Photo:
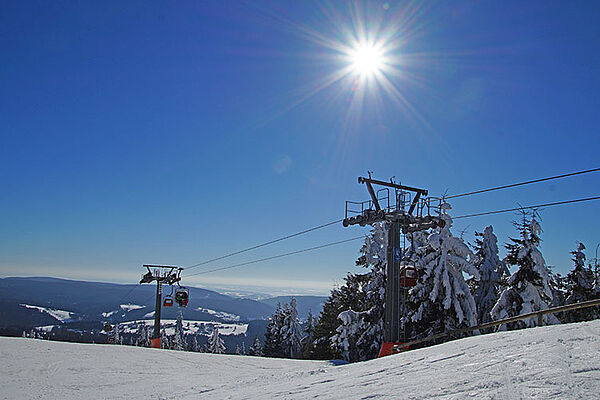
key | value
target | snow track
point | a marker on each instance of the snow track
(555, 362)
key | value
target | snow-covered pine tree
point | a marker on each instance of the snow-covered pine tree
(196, 347)
(359, 331)
(165, 341)
(149, 332)
(291, 332)
(528, 288)
(558, 286)
(373, 257)
(493, 273)
(256, 348)
(580, 287)
(215, 343)
(347, 297)
(441, 301)
(140, 334)
(117, 334)
(347, 334)
(273, 340)
(309, 333)
(179, 338)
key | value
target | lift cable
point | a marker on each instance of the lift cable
(278, 256)
(363, 236)
(128, 293)
(266, 243)
(448, 197)
(523, 183)
(528, 207)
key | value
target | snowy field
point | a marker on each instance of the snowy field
(60, 315)
(556, 362)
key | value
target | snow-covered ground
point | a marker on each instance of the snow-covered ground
(130, 307)
(60, 315)
(220, 314)
(125, 308)
(556, 362)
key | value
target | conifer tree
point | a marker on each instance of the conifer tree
(580, 287)
(273, 340)
(291, 332)
(320, 348)
(148, 331)
(215, 343)
(165, 341)
(196, 345)
(140, 339)
(493, 273)
(359, 331)
(309, 332)
(528, 288)
(558, 287)
(117, 334)
(179, 338)
(441, 301)
(256, 348)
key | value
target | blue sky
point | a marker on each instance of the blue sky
(149, 132)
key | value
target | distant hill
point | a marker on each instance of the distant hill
(28, 302)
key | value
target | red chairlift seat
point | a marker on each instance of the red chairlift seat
(408, 276)
(168, 302)
(182, 296)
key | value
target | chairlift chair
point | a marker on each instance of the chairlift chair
(168, 301)
(182, 296)
(408, 276)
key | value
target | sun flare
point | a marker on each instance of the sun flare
(366, 59)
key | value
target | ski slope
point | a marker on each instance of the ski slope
(556, 362)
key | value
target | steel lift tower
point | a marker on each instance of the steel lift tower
(408, 210)
(166, 274)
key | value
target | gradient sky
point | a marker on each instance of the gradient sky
(159, 132)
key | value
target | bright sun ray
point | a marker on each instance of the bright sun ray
(365, 47)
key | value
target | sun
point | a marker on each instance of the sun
(366, 59)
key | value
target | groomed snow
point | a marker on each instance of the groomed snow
(555, 362)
